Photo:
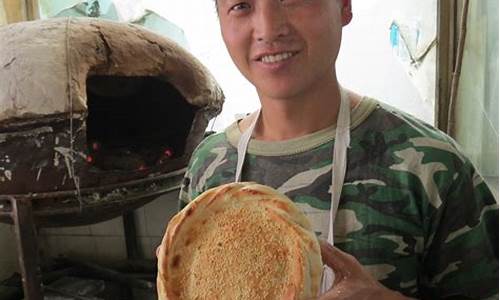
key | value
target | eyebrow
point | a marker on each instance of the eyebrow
(221, 1)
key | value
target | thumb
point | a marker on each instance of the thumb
(332, 257)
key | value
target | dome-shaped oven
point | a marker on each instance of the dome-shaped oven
(96, 114)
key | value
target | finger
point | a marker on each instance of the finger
(339, 261)
(329, 256)
(330, 295)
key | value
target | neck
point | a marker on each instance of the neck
(283, 119)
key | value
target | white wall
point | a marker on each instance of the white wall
(366, 63)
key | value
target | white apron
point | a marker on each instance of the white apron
(342, 140)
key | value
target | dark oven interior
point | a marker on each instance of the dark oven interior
(135, 123)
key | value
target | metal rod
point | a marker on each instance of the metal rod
(445, 60)
(47, 212)
(22, 215)
(458, 69)
(52, 195)
(130, 235)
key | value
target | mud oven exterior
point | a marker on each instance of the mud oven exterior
(96, 118)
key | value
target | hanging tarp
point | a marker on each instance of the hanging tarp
(104, 9)
(476, 108)
(122, 11)
(12, 11)
(162, 26)
(3, 16)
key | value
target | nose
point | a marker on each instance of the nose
(271, 22)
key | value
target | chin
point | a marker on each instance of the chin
(277, 95)
(277, 91)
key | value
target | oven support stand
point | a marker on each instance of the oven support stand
(129, 228)
(26, 239)
(23, 219)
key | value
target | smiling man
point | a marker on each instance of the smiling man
(408, 214)
(287, 49)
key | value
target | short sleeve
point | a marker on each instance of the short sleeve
(184, 194)
(460, 260)
(187, 185)
(197, 167)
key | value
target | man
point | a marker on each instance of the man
(414, 218)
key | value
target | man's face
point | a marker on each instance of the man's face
(284, 47)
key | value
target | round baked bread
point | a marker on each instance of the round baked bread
(239, 241)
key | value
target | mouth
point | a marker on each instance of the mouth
(276, 57)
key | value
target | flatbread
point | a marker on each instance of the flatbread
(239, 241)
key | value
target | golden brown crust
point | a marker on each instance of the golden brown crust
(239, 241)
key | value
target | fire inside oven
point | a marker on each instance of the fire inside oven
(135, 123)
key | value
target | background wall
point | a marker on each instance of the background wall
(476, 109)
(374, 65)
(11, 11)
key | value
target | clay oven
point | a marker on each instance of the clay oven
(96, 116)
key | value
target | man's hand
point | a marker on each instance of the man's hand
(352, 281)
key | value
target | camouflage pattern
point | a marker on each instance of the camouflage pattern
(413, 210)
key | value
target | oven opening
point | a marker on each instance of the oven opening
(135, 123)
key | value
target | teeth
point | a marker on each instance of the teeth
(269, 59)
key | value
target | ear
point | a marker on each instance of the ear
(346, 12)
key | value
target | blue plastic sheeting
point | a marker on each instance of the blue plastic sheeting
(394, 35)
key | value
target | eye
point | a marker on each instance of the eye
(240, 7)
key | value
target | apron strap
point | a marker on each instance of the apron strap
(339, 161)
(243, 145)
(339, 168)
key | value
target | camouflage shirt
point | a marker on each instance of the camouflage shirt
(413, 210)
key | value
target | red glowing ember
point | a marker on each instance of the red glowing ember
(168, 152)
(89, 159)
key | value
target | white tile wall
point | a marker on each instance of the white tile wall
(112, 227)
(157, 214)
(140, 221)
(109, 248)
(8, 253)
(76, 230)
(84, 247)
(101, 243)
(146, 246)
